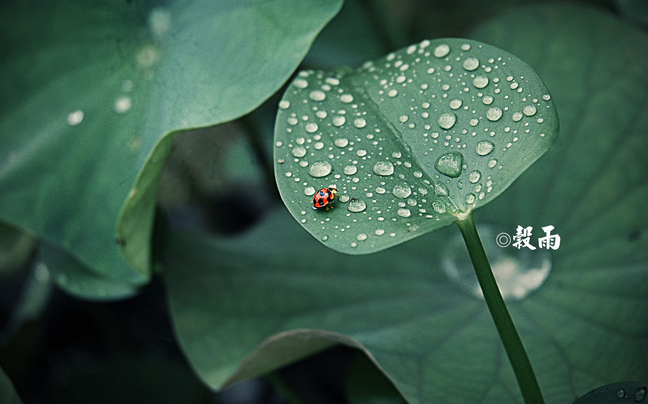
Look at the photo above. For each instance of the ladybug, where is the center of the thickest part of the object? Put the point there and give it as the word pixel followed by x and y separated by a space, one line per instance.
pixel 324 197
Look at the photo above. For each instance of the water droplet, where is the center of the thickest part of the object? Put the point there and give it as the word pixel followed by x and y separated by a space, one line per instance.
pixel 311 127
pixel 447 120
pixel 529 110
pixel 346 98
pixel 621 393
pixel 546 97
pixel 341 142
pixel 360 123
pixel 333 81
pixel 320 169
pixel 361 153
pixel 75 118
pixel 123 104
pixel 356 205
pixel 344 198
pixel 318 145
pixel 284 104
pixel 379 232
pixel 404 212
pixel 441 50
pixel 640 394
pixel 492 163
pixel 480 81
pixel 301 83
pixel 517 116
pixel 392 93
pixel 474 176
pixel 401 191
pixel 493 114
pixel 455 104
pixel 487 100
pixel 324 238
pixel 485 147
pixel 470 198
pixel 383 168
pixel 450 164
pixel 471 64
pixel 474 122
pixel 440 189
pixel 309 191
pixel 317 95
pixel 339 120
pixel 361 237
pixel 403 118
pixel 350 170
pixel 439 207
pixel 321 114
pixel 298 151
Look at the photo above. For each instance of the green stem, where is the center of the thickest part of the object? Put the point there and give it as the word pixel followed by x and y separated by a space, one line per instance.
pixel 505 327
pixel 286 392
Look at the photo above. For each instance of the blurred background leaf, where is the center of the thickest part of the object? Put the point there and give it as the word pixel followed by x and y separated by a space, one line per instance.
pixel 93 90
pixel 8 394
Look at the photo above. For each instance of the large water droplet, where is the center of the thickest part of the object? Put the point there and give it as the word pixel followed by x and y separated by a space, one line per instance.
pixel 339 120
pixel 401 191
pixel 311 127
pixel 529 110
pixel 440 189
pixel 320 169
pixel 441 50
pixel 361 237
pixel 471 64
pixel 308 191
pixel 403 212
pixel 317 95
pixel 474 176
pixel 341 142
pixel 493 114
pixel 346 98
pixel 470 198
pixel 485 147
pixel 447 120
pixel 301 83
pixel 350 170
pixel 356 205
pixel 284 104
pixel 383 168
pixel 480 81
pixel 439 207
pixel 492 163
pixel 455 104
pixel 621 393
pixel 360 123
pixel 640 394
pixel 298 151
pixel 450 164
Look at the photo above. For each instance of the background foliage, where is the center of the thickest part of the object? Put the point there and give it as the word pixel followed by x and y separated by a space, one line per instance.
pixel 248 290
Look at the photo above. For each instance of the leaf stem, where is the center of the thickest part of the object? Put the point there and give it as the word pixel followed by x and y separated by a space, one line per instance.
pixel 503 322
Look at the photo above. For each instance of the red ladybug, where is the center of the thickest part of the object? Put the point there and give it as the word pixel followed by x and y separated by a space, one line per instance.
pixel 324 197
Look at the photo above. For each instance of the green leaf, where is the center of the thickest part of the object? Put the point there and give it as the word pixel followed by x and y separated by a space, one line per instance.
pixel 622 392
pixel 411 141
pixel 96 92
pixel 81 281
pixel 8 394
pixel 367 385
pixel 16 248
pixel 406 307
pixel 635 10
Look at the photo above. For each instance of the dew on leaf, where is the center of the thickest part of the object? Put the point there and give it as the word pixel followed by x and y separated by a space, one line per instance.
pixel 447 120
pixel 320 169
pixel 493 114
pixel 383 168
pixel 317 95
pixel 350 170
pixel 298 151
pixel 356 205
pixel 441 50
pixel 480 81
pixel 440 189
pixel 311 127
pixel 346 98
pixel 301 83
pixel 529 110
pixel 438 206
pixel 401 191
pixel 450 164
pixel 470 198
pixel 339 120
pixel 485 147
pixel 360 123
pixel 517 116
pixel 284 104
pixel 123 105
pixel 455 104
pixel 403 212
pixel 471 64
pixel 474 176
pixel 361 237
pixel 492 163
pixel 308 191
